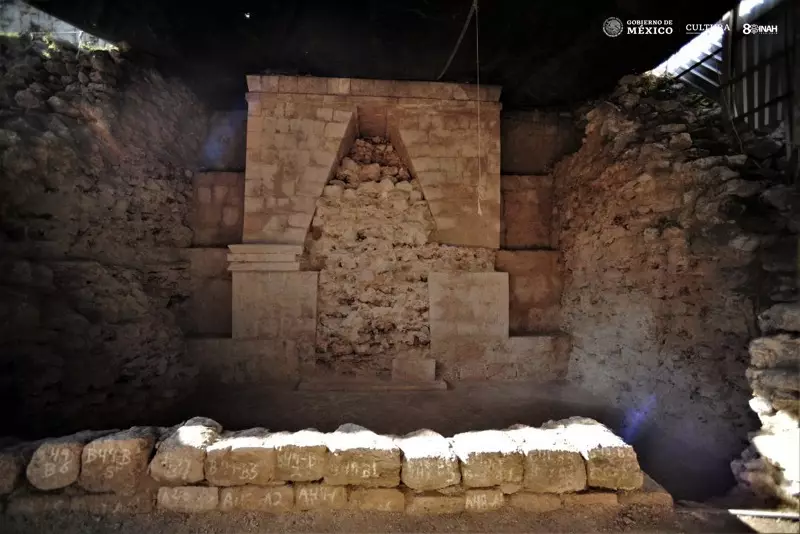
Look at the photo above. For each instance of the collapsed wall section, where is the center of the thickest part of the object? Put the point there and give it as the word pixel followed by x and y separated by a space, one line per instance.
pixel 97 159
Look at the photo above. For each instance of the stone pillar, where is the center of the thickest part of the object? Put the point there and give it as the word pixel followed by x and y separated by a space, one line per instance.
pixel 272 298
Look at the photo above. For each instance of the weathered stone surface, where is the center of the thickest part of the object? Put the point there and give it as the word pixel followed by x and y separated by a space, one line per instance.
pixel 488 458
pixel 484 500
pixel 552 464
pixel 434 503
pixel 775 351
pixel 374 248
pixel 103 504
pixel 12 464
pixel 240 458
pixel 379 499
pixel 592 498
pixel 610 462
pixel 90 311
pixel 37 504
pixel 188 499
pixel 301 456
pixel 527 211
pixel 314 496
pixel 180 457
pixel 117 462
pixel 56 463
pixel 780 317
pixel 650 494
pixel 429 461
pixel 361 457
pixel 644 292
pixel 535 502
pixel 261 499
pixel 534 285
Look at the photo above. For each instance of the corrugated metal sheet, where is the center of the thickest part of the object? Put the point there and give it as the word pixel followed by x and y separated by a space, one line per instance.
pixel 749 73
pixel 757 75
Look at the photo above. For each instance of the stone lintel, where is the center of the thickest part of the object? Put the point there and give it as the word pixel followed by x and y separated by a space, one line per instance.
pixel 379 88
pixel 264 257
pixel 264 266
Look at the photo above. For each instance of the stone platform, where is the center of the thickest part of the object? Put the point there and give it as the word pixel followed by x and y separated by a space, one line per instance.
pixel 198 467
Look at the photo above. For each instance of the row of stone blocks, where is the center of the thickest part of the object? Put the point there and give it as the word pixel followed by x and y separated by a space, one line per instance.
pixel 197 467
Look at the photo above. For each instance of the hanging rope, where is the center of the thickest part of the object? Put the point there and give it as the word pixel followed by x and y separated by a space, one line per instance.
pixel 478 96
pixel 460 38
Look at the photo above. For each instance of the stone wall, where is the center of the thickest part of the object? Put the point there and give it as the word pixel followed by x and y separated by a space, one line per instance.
pixel 527 212
pixel 217 209
pixel 770 467
pixel 299 127
pixel 371 240
pixel 196 467
pixel 662 222
pixel 553 135
pixel 95 197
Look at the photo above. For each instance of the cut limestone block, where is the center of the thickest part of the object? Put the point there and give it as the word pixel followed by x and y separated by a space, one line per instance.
pixel 552 464
pixel 589 498
pixel 315 496
pixel 535 502
pixel 257 498
pixel 434 503
pixel 429 461
pixel 56 463
pixel 181 455
pixel 37 504
pixel 650 494
pixel 117 462
pixel 301 456
pixel 488 458
pixel 484 500
pixel 188 499
pixel 610 462
pixel 241 458
pixel 378 499
pixel 109 503
pixel 360 457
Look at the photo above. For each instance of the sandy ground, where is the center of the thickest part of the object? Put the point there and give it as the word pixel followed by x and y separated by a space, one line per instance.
pixel 628 519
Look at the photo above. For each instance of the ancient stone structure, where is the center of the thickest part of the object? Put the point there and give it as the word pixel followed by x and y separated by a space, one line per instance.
pixel 371 217
pixel 196 467
pixel 97 156
pixel 672 241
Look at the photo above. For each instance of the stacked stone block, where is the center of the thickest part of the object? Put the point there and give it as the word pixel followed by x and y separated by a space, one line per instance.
pixel 770 467
pixel 196 467
pixel 297 126
pixel 217 204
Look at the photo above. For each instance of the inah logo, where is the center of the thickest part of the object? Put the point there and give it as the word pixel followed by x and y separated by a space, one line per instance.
pixel 612 27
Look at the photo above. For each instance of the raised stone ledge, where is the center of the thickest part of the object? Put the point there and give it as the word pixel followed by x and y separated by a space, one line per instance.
pixel 196 467
pixel 311 85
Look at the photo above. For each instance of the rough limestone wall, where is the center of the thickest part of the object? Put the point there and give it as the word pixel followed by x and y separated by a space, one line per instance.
pixel 93 207
pixel 370 240
pixel 769 468
pixel 660 227
pixel 198 467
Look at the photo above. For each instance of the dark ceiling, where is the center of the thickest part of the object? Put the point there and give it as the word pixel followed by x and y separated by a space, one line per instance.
pixel 545 53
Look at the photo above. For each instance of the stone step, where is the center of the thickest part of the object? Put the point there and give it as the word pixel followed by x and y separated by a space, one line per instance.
pixel 369 385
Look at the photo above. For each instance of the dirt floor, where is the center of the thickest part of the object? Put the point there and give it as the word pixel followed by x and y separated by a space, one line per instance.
pixel 629 519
